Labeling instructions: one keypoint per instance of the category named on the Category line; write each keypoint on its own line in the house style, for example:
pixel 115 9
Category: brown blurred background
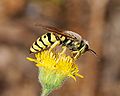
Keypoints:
pixel 98 21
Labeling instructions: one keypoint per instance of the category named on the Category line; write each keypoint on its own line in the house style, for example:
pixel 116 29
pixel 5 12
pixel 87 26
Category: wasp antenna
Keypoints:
pixel 93 52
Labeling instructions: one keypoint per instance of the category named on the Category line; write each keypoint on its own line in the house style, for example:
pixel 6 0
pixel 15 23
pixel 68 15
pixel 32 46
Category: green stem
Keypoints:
pixel 45 92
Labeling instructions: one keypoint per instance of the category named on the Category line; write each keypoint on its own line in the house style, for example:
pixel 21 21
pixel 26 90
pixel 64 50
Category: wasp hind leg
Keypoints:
pixel 64 49
pixel 54 45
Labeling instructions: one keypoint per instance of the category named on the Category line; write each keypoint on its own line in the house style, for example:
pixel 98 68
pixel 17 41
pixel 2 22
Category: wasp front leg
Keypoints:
pixel 77 54
pixel 54 45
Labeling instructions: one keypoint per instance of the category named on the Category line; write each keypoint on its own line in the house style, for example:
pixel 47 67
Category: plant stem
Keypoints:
pixel 45 92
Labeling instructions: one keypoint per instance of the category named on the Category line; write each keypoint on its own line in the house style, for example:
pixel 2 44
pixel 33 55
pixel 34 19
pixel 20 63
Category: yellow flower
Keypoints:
pixel 64 66
pixel 54 69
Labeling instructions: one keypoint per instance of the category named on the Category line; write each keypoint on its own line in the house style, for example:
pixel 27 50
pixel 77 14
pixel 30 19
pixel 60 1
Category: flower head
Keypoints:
pixel 54 69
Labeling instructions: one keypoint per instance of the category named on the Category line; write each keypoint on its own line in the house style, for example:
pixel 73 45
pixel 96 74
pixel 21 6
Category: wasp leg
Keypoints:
pixel 54 45
pixel 73 52
pixel 77 55
pixel 63 51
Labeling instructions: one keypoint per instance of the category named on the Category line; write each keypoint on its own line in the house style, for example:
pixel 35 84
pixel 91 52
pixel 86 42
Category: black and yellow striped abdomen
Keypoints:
pixel 43 42
pixel 49 39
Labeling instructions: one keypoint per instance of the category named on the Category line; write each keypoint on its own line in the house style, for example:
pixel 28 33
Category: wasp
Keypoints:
pixel 68 39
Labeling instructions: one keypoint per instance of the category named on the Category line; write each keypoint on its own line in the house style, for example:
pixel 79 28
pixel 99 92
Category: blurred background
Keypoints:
pixel 98 21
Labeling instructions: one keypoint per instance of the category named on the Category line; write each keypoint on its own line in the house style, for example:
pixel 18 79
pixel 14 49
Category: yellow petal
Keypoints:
pixel 39 65
pixel 31 59
pixel 81 76
pixel 72 76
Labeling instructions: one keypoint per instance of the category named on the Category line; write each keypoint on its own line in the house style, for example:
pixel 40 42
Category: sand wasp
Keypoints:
pixel 67 39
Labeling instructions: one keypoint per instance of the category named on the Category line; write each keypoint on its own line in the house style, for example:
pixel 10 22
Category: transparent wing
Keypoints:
pixel 55 30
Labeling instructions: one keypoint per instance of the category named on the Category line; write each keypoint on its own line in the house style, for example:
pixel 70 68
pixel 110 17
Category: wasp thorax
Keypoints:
pixel 74 35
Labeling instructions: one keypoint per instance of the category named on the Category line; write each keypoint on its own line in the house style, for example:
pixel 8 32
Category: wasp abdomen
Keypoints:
pixel 43 42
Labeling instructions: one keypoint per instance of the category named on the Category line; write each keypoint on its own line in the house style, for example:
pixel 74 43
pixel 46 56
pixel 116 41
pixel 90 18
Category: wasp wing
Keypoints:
pixel 55 30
